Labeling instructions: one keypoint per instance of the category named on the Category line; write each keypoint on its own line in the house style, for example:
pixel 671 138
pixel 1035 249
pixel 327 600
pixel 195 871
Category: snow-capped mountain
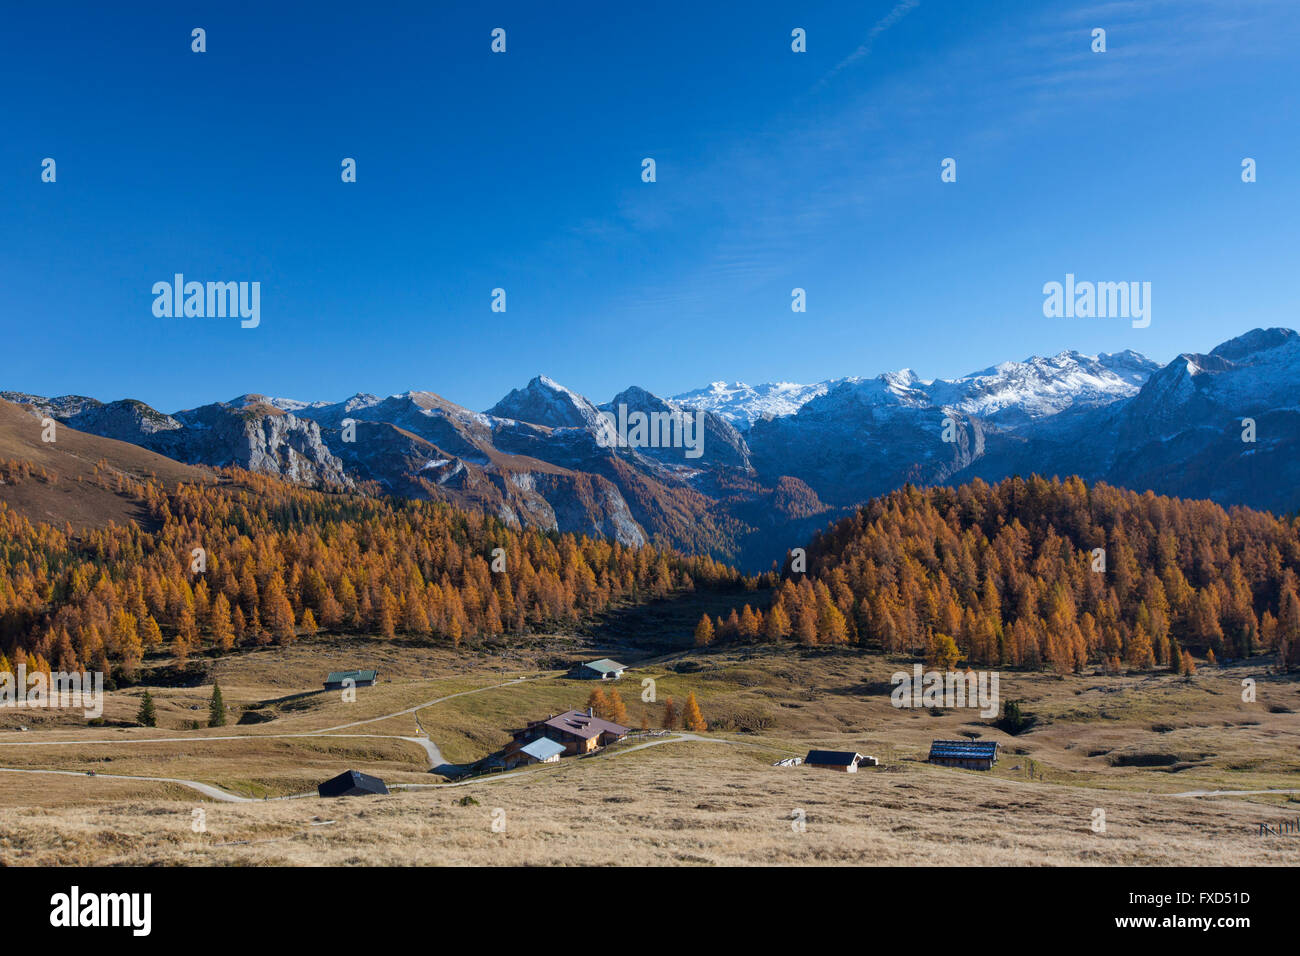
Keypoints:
pixel 1010 392
pixel 776 460
pixel 544 401
pixel 1016 392
pixel 742 404
pixel 1223 425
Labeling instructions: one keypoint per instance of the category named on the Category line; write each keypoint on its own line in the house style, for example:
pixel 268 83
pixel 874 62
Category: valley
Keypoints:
pixel 356 535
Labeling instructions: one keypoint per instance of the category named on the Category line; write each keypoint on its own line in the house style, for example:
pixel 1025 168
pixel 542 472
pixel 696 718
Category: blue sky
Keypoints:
pixel 523 171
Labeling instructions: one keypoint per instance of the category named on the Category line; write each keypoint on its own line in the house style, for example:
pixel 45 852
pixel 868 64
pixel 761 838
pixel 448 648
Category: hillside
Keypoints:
pixel 74 479
pixel 256 560
pixel 1058 574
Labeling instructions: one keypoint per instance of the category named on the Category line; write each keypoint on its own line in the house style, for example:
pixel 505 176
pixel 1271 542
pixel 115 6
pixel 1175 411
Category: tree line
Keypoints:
pixel 1040 573
pixel 252 560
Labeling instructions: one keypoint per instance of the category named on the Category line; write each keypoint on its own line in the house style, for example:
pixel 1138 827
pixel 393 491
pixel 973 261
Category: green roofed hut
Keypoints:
pixel 336 680
pixel 603 669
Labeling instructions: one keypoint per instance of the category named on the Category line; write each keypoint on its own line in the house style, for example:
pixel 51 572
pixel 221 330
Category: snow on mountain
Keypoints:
pixel 743 404
pixel 772 454
pixel 1014 392
pixel 721 443
pixel 291 405
pixel 1257 370
pixel 869 398
pixel 1250 347
pixel 544 401
pixel 1008 392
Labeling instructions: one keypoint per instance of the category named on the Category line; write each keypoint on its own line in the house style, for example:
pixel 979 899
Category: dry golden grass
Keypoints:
pixel 1098 744
pixel 75 497
pixel 679 803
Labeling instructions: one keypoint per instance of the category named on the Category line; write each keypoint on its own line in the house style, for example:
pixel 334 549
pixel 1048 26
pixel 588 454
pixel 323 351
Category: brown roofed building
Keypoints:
pixel 579 731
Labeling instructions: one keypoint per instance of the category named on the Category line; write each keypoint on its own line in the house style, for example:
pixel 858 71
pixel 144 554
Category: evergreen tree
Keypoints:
pixel 216 708
pixel 148 716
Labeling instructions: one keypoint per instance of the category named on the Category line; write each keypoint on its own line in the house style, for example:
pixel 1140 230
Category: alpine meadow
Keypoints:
pixel 832 435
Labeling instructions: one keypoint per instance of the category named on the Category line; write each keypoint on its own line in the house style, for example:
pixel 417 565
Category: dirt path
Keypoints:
pixel 412 710
pixel 436 759
pixel 423 741
pixel 216 793
pixel 677 735
pixel 1229 793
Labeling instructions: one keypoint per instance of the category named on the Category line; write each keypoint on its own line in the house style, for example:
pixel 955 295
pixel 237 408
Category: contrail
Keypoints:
pixel 901 9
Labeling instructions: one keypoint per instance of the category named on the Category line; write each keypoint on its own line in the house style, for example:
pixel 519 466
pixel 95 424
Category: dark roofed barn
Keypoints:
pixel 352 783
pixel 970 754
pixel 846 761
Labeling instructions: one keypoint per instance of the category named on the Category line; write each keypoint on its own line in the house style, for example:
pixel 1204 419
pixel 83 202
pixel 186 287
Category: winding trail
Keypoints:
pixel 423 741
pixel 207 789
pixel 411 710
pixel 677 735
pixel 1229 793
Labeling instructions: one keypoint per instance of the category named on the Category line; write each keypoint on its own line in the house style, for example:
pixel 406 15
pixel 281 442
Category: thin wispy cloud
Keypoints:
pixel 899 11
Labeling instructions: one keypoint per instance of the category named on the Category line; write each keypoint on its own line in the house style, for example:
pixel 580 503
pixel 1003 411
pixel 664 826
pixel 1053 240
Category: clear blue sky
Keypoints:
pixel 775 170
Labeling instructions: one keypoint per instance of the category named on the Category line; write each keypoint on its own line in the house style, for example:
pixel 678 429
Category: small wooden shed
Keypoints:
pixel 352 783
pixel 603 669
pixel 541 750
pixel 846 761
pixel 968 754
pixel 336 680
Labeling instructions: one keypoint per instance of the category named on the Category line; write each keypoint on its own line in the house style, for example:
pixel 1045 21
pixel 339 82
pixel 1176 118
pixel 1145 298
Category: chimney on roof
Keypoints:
pixel 591 712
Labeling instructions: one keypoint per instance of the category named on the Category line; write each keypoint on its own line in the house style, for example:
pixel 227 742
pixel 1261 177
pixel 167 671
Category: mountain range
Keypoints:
pixel 777 460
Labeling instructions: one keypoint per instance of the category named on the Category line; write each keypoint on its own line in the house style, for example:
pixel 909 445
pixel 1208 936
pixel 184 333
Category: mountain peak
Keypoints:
pixel 545 381
pixel 636 397
pixel 544 401
pixel 1253 342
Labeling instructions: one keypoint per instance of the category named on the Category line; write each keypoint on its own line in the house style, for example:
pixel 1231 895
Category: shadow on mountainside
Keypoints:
pixel 667 626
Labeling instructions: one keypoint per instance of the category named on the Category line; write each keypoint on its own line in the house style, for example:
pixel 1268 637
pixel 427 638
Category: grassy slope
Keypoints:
pixel 682 801
pixel 72 456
